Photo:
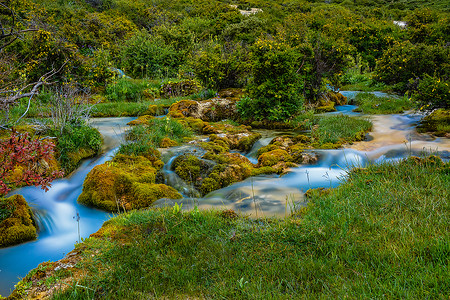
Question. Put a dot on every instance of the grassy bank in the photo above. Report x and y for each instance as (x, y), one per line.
(370, 104)
(384, 233)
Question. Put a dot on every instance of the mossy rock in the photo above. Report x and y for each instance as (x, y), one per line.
(117, 184)
(216, 146)
(215, 109)
(155, 110)
(327, 107)
(167, 143)
(273, 157)
(267, 148)
(144, 194)
(231, 168)
(142, 120)
(438, 123)
(192, 169)
(18, 225)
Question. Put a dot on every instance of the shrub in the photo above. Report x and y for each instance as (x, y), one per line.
(146, 55)
(405, 61)
(432, 92)
(275, 92)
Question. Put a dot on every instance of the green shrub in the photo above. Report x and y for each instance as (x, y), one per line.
(146, 55)
(219, 67)
(405, 61)
(432, 92)
(275, 92)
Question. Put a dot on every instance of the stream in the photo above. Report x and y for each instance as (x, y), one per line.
(393, 137)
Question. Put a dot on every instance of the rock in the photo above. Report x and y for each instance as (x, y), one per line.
(19, 226)
(211, 110)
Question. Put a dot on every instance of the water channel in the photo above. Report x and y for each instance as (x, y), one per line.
(393, 137)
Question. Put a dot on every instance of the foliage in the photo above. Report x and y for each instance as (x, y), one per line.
(220, 66)
(146, 55)
(432, 92)
(179, 88)
(75, 142)
(405, 61)
(24, 160)
(275, 92)
(130, 90)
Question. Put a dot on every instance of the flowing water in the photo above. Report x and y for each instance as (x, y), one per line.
(393, 137)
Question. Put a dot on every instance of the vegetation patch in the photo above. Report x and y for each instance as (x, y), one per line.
(125, 183)
(438, 123)
(16, 221)
(368, 103)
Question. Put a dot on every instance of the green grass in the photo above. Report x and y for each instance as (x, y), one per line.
(120, 109)
(331, 131)
(384, 233)
(142, 138)
(338, 129)
(371, 104)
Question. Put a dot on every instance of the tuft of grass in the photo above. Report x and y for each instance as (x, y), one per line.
(142, 138)
(384, 233)
(370, 104)
(340, 129)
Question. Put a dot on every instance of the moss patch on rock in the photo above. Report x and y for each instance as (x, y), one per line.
(211, 110)
(437, 123)
(125, 183)
(16, 221)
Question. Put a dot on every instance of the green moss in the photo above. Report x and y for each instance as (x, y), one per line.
(328, 107)
(273, 157)
(167, 142)
(144, 194)
(17, 226)
(267, 148)
(126, 182)
(191, 169)
(142, 120)
(438, 123)
(155, 110)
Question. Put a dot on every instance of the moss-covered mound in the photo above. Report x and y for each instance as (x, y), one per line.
(16, 221)
(287, 149)
(438, 123)
(125, 183)
(192, 169)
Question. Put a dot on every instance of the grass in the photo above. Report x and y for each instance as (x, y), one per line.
(384, 233)
(144, 137)
(331, 131)
(371, 104)
(339, 129)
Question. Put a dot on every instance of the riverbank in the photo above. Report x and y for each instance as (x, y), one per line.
(382, 233)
